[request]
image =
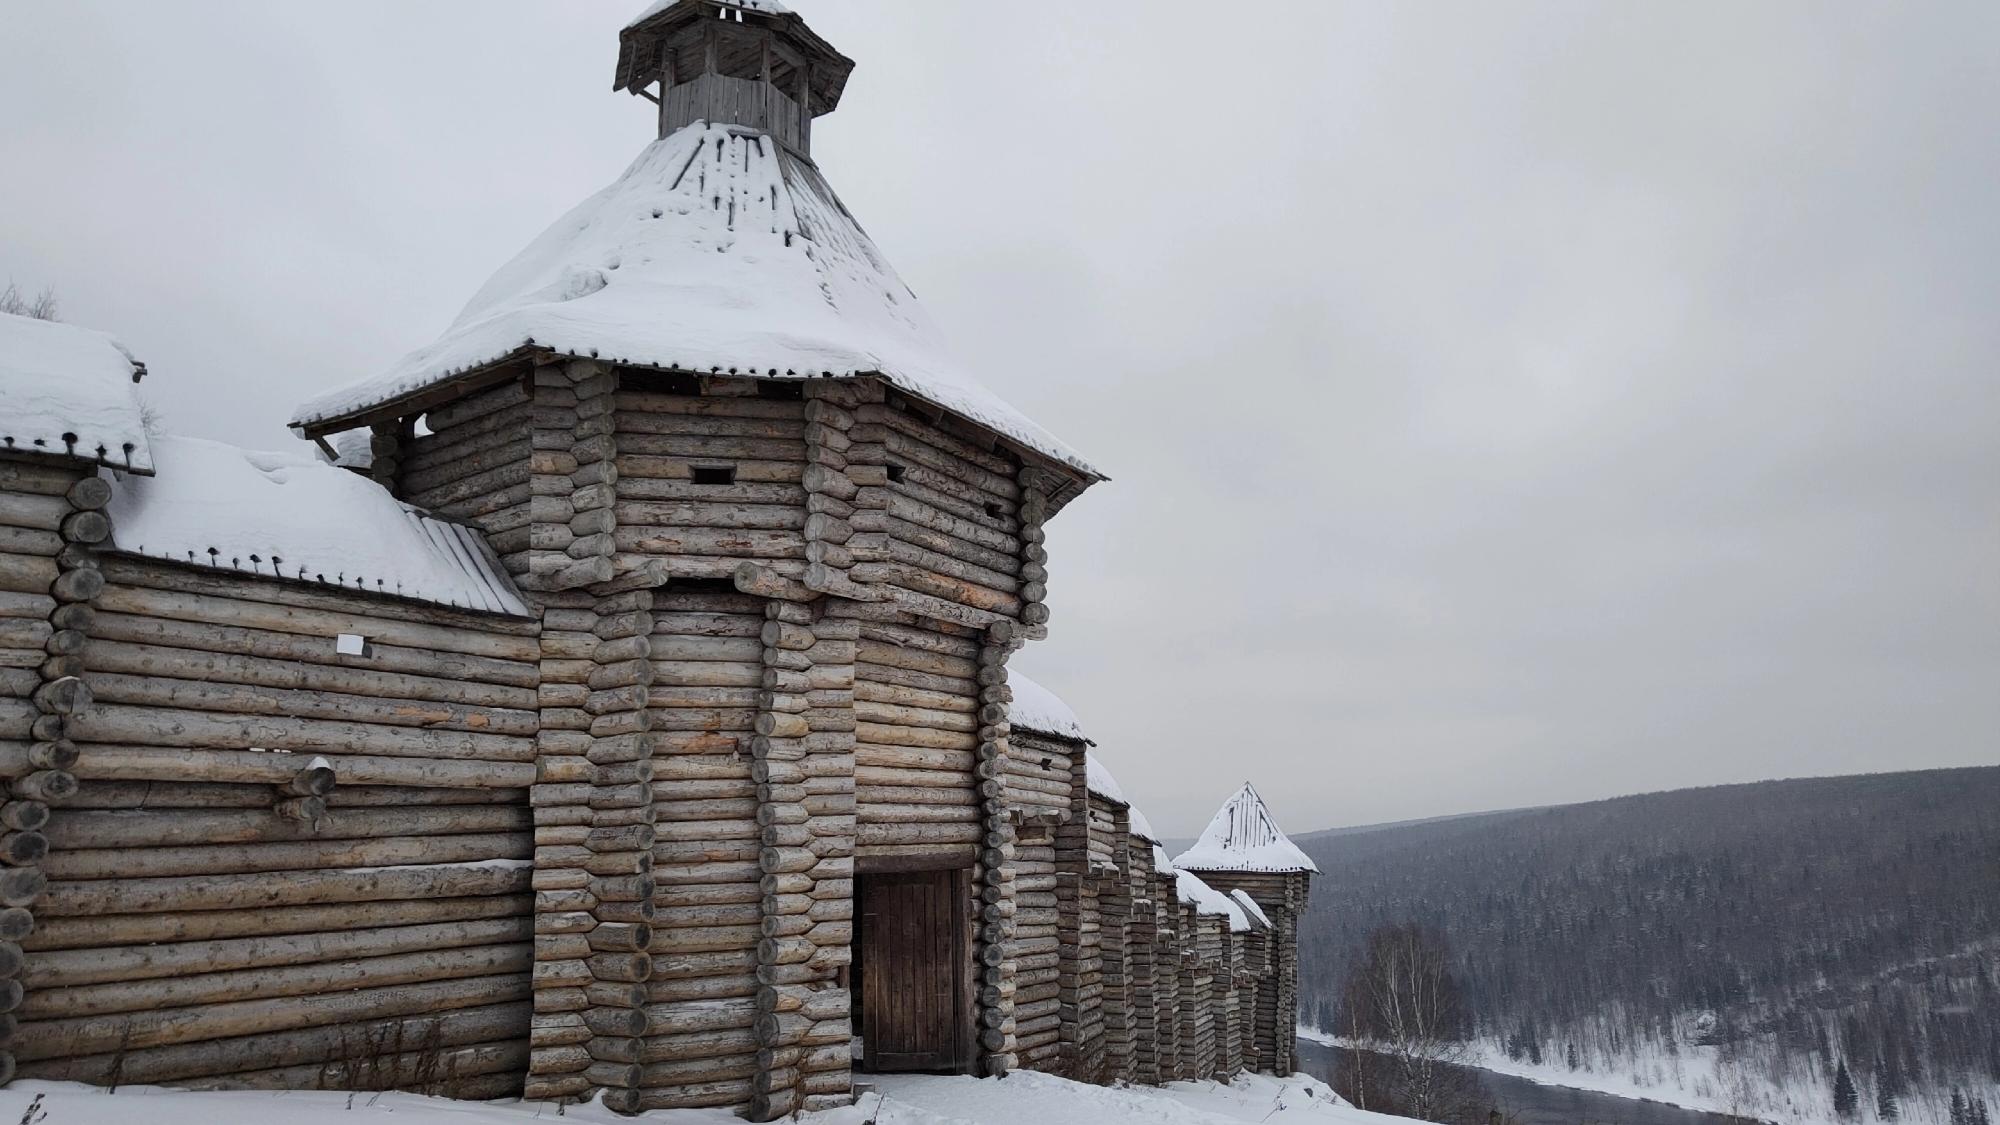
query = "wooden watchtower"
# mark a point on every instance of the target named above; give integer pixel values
(782, 545)
(1243, 849)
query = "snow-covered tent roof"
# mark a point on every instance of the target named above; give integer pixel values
(69, 392)
(718, 251)
(1256, 914)
(1036, 708)
(292, 515)
(1243, 837)
(1207, 900)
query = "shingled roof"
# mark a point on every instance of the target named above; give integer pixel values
(1243, 837)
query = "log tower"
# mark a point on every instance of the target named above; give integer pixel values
(1244, 850)
(782, 546)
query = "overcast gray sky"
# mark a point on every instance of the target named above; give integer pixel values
(1509, 403)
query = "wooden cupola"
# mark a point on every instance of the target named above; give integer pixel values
(732, 62)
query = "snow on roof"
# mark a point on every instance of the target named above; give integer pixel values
(718, 251)
(59, 382)
(1250, 907)
(768, 7)
(1243, 837)
(1097, 778)
(353, 449)
(1207, 900)
(1162, 862)
(1036, 708)
(1143, 828)
(294, 516)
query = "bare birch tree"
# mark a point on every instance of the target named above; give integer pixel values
(1405, 1012)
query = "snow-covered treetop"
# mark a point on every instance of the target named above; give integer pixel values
(1243, 837)
(292, 515)
(1207, 900)
(718, 251)
(1036, 708)
(69, 392)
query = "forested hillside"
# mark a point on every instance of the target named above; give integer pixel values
(1790, 926)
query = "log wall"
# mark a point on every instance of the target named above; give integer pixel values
(607, 852)
(476, 464)
(1272, 1035)
(259, 819)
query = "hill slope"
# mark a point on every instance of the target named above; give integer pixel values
(1786, 925)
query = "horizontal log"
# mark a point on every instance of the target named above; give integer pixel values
(159, 640)
(648, 466)
(41, 480)
(291, 673)
(190, 989)
(94, 937)
(263, 890)
(109, 762)
(289, 857)
(209, 609)
(160, 726)
(79, 829)
(27, 574)
(33, 510)
(139, 1030)
(186, 1063)
(306, 703)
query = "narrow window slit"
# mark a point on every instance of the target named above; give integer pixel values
(896, 474)
(994, 509)
(715, 474)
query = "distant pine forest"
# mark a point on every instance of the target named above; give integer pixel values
(1788, 929)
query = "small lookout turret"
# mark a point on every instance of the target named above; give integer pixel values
(732, 62)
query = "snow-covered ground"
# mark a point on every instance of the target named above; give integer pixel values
(1023, 1098)
(1701, 1078)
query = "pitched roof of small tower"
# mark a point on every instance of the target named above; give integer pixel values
(69, 392)
(1243, 837)
(719, 251)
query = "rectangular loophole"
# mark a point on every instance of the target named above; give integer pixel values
(896, 474)
(715, 474)
(994, 509)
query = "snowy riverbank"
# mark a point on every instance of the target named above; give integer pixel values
(1697, 1078)
(1023, 1098)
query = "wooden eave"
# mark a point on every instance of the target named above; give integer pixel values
(1070, 482)
(68, 460)
(640, 49)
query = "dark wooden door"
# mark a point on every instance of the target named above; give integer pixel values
(915, 964)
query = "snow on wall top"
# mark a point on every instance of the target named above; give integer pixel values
(1036, 708)
(294, 516)
(58, 379)
(1243, 837)
(768, 7)
(1207, 900)
(1250, 907)
(718, 251)
(1097, 778)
